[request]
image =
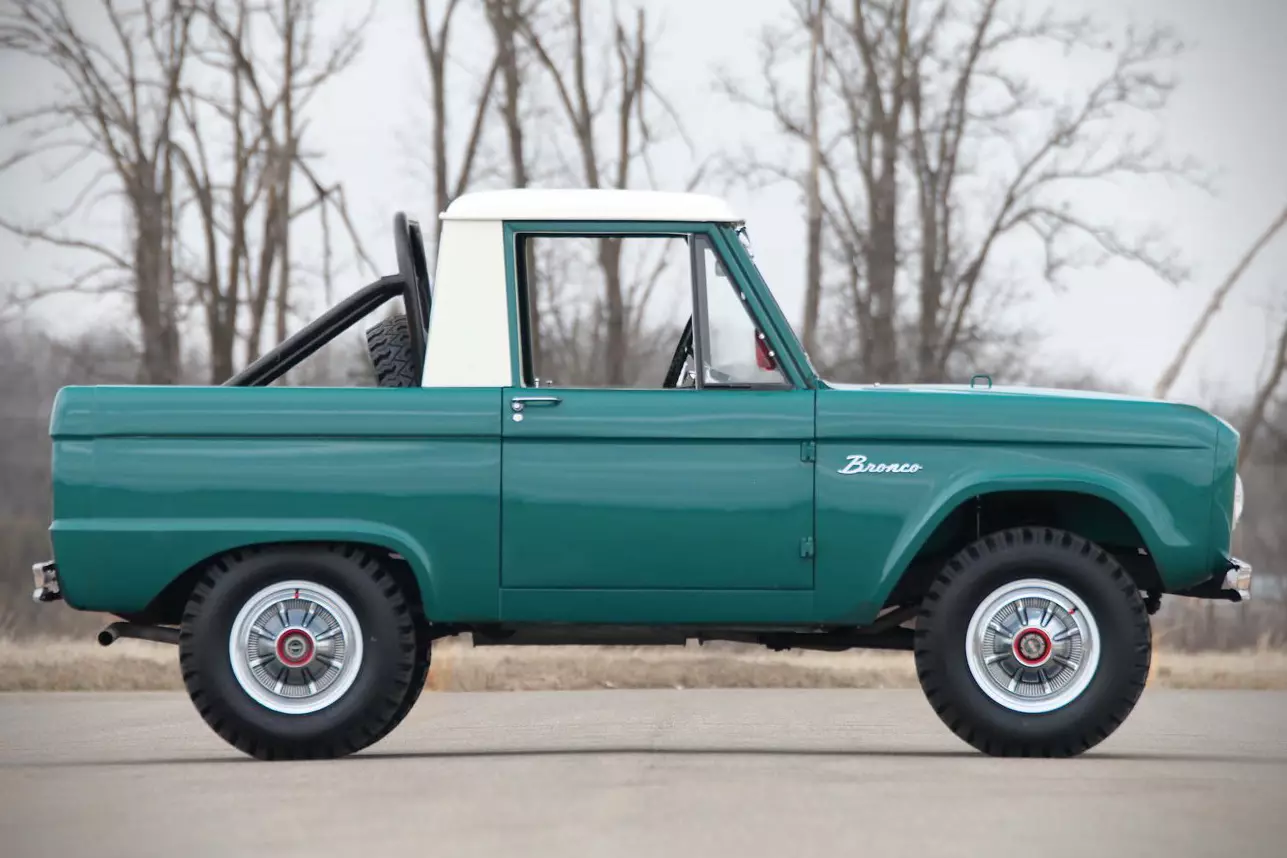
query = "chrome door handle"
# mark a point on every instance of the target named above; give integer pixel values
(518, 403)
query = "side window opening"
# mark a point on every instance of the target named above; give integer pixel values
(618, 312)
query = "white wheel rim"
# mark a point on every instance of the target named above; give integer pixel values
(295, 647)
(1032, 646)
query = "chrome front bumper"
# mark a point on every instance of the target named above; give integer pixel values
(45, 576)
(1238, 579)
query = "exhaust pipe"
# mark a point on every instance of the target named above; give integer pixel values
(160, 634)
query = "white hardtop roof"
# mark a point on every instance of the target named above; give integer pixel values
(589, 204)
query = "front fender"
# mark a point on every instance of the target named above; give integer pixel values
(1146, 511)
(872, 526)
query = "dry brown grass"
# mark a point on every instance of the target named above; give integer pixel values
(69, 665)
(59, 664)
(458, 667)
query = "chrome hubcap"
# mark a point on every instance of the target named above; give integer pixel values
(1032, 646)
(295, 647)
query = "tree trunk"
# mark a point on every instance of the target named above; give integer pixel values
(1260, 406)
(223, 305)
(813, 192)
(502, 15)
(154, 301)
(881, 360)
(615, 353)
(440, 197)
(1172, 372)
(285, 171)
(927, 357)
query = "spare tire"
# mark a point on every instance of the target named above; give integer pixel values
(389, 346)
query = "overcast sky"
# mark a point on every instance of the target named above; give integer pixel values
(1230, 111)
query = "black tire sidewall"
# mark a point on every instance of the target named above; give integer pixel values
(941, 642)
(208, 636)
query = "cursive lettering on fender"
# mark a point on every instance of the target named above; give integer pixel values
(858, 465)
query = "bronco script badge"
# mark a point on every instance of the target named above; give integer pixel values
(858, 465)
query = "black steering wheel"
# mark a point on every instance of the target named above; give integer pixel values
(417, 295)
(683, 349)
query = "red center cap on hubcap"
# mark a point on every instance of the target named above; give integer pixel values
(1032, 647)
(295, 648)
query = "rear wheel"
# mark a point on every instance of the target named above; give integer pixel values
(299, 653)
(419, 679)
(1033, 642)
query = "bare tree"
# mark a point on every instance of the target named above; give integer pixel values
(1168, 378)
(244, 200)
(435, 39)
(203, 139)
(813, 190)
(612, 130)
(1263, 398)
(870, 65)
(33, 366)
(935, 149)
(504, 17)
(856, 72)
(119, 102)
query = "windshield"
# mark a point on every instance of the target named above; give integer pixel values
(744, 238)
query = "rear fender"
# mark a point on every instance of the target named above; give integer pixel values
(157, 553)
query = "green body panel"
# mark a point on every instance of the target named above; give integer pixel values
(1222, 490)
(177, 475)
(681, 490)
(1153, 461)
(663, 607)
(615, 506)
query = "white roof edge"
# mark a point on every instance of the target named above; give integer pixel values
(590, 204)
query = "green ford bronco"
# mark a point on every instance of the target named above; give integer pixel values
(304, 546)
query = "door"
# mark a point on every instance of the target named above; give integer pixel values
(662, 478)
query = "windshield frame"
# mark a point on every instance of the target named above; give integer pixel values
(739, 244)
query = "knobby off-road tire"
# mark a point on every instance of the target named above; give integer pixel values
(419, 679)
(1053, 610)
(389, 346)
(300, 653)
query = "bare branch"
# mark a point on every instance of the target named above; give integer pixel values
(476, 129)
(1264, 395)
(65, 242)
(1172, 372)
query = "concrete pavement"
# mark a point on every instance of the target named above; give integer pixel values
(634, 773)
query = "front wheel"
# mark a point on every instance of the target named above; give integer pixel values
(1033, 642)
(300, 653)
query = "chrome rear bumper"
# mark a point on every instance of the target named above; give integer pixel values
(45, 576)
(1238, 579)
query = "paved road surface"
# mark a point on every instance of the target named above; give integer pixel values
(643, 773)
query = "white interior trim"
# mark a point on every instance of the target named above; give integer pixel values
(468, 342)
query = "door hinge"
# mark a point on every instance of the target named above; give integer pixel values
(806, 547)
(808, 451)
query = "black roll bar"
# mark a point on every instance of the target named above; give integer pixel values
(273, 364)
(410, 247)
